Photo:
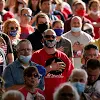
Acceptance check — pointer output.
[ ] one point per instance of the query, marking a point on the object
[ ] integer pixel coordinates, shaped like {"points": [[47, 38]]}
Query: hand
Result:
{"points": [[58, 65], [61, 48], [39, 96]]}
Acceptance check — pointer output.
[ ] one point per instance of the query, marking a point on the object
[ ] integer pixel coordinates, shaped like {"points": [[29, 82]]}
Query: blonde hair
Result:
{"points": [[6, 25]]}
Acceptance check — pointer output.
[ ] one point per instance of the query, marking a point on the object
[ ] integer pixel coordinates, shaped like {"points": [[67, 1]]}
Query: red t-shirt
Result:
{"points": [[28, 95], [25, 31], [52, 81], [96, 29]]}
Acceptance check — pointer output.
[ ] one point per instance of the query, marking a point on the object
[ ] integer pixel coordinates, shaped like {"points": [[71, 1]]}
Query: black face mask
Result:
{"points": [[42, 27]]}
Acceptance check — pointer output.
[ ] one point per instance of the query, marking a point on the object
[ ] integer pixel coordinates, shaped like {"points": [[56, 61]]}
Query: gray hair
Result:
{"points": [[79, 71], [20, 42], [61, 86], [13, 94]]}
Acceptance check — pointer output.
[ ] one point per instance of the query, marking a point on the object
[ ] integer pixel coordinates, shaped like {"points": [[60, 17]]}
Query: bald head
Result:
{"points": [[76, 21]]}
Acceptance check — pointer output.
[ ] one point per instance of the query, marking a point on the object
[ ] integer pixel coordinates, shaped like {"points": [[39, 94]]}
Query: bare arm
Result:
{"points": [[10, 58]]}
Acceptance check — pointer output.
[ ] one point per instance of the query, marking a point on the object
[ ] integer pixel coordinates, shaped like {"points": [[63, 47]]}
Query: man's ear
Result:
{"points": [[42, 40]]}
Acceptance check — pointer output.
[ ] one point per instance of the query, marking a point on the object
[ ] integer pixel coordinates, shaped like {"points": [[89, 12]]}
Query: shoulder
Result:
{"points": [[14, 64], [38, 51], [85, 34], [66, 40]]}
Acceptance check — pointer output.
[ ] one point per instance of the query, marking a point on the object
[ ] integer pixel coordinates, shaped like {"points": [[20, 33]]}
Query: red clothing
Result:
{"points": [[96, 29], [52, 81], [25, 31], [27, 94], [66, 12], [8, 15]]}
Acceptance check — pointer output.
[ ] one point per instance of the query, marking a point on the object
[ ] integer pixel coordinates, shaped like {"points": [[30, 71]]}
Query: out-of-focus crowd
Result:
{"points": [[49, 49]]}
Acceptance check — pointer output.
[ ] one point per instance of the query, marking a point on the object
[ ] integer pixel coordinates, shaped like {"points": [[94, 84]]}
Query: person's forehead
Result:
{"points": [[75, 19], [78, 6], [42, 19], [58, 24], [94, 3], [92, 50], [25, 11], [12, 24], [25, 45], [79, 75], [49, 33], [93, 71]]}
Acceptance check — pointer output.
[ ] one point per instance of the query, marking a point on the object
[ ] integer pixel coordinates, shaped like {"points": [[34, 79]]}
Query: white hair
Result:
{"points": [[79, 71], [13, 94], [61, 86]]}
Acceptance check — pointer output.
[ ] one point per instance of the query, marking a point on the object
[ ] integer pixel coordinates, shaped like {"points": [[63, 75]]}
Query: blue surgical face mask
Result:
{"points": [[79, 86], [25, 59], [76, 29], [13, 33], [59, 31]]}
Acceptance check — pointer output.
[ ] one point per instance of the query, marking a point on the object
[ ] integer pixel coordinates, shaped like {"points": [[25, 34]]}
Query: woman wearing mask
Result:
{"points": [[12, 28], [63, 44], [94, 16]]}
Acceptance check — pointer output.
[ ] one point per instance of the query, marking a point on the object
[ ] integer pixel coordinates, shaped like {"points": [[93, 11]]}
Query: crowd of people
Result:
{"points": [[49, 49]]}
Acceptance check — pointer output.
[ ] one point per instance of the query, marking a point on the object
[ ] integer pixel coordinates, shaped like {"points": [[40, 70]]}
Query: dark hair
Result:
{"points": [[93, 64], [28, 71], [91, 2], [41, 1], [90, 46]]}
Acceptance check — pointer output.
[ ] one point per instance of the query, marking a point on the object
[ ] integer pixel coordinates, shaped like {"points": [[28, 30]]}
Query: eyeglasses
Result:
{"points": [[35, 75], [49, 36], [27, 15], [13, 28]]}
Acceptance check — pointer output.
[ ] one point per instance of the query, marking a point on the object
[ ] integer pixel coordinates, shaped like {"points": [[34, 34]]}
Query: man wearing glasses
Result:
{"points": [[25, 18], [13, 73], [49, 51]]}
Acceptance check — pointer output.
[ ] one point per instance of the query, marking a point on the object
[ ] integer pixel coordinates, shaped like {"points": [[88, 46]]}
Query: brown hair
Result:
{"points": [[91, 2]]}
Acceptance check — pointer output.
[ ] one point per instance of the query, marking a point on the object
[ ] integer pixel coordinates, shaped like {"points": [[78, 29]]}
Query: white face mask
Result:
{"points": [[94, 12]]}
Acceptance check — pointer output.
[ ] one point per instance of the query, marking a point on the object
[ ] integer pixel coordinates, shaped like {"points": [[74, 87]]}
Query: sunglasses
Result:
{"points": [[27, 15], [49, 36], [13, 28], [35, 76]]}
